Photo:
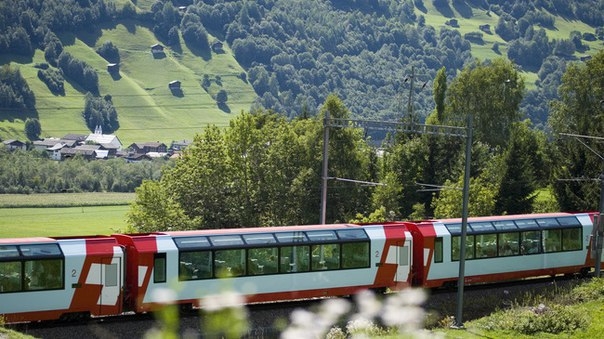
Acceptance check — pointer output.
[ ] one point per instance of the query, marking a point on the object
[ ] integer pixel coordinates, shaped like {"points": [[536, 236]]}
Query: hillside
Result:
{"points": [[289, 55]]}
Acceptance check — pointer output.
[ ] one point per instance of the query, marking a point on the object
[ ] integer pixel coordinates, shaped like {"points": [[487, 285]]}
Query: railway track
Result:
{"points": [[479, 301]]}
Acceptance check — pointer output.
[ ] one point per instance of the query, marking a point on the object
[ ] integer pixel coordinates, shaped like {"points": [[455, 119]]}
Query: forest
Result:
{"points": [[342, 60], [297, 52]]}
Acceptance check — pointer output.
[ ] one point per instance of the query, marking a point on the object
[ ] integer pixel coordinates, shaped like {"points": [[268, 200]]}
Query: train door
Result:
{"points": [[111, 281], [401, 255]]}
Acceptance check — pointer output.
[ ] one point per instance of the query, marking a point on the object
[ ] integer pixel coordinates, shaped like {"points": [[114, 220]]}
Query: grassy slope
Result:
{"points": [[147, 109], [562, 30]]}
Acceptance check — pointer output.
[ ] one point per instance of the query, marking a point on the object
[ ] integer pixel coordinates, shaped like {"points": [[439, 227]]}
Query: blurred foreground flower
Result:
{"points": [[225, 315]]}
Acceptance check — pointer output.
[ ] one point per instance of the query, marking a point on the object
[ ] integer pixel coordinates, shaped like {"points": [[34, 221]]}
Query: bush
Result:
{"points": [[554, 319]]}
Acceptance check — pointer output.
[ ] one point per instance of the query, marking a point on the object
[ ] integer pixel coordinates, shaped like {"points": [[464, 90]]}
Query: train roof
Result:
{"points": [[244, 230], [509, 223], [30, 240]]}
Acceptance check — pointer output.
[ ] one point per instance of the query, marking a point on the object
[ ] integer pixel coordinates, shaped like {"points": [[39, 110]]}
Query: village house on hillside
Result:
{"points": [[97, 146], [13, 144], [143, 148]]}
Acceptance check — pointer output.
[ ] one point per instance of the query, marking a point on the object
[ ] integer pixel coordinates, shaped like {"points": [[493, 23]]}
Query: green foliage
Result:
{"points": [[554, 319], [53, 79], [33, 172], [14, 91], [100, 112], [109, 51], [579, 112], [490, 93], [221, 97], [154, 210], [32, 129], [79, 71], [519, 180]]}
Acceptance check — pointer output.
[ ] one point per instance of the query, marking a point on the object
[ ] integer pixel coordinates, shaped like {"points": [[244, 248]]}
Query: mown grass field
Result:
{"points": [[63, 214]]}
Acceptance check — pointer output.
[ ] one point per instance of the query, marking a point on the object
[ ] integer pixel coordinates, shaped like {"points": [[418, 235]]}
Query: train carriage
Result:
{"points": [[267, 264], [503, 248], [53, 278]]}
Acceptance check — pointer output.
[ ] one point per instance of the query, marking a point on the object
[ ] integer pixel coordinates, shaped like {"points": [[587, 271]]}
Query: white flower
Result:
{"points": [[163, 296], [368, 304], [227, 299]]}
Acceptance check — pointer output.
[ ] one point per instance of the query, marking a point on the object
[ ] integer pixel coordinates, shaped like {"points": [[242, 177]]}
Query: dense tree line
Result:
{"points": [[34, 172], [265, 170], [297, 52], [100, 112], [79, 71], [15, 93], [53, 78]]}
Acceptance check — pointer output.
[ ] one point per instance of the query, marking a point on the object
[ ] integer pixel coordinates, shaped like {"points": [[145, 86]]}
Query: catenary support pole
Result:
{"points": [[464, 227]]}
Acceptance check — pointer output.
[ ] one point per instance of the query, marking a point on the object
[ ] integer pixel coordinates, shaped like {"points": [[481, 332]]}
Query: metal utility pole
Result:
{"points": [[420, 129], [325, 161], [464, 227]]}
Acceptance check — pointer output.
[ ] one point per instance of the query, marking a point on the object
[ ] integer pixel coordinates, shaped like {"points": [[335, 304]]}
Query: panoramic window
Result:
{"points": [[294, 259], [262, 260], [355, 255], [325, 257], [195, 265], [571, 239], [509, 244]]}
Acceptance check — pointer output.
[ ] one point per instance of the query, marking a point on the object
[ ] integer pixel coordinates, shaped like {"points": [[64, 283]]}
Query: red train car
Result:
{"points": [[502, 248], [266, 264], [53, 278]]}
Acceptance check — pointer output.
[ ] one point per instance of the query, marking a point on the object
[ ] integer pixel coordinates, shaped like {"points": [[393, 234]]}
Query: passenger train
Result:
{"points": [[71, 277]]}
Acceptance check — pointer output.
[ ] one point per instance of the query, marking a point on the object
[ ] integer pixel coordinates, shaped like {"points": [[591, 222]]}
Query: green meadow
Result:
{"points": [[69, 214], [147, 109]]}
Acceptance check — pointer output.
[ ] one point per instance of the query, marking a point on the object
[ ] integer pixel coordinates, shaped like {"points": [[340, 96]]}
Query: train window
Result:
{"points": [[571, 239], [10, 276], [291, 237], [294, 259], [40, 250], [548, 222], [569, 221], [111, 275], [527, 223], [438, 249], [8, 251], [262, 238], [262, 260], [530, 242], [192, 242], [46, 274], [508, 244], [321, 235], [325, 257], [230, 263], [226, 240], [356, 233], [355, 255], [195, 265], [505, 225], [486, 245], [159, 268], [552, 240], [456, 244], [454, 228], [482, 227]]}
